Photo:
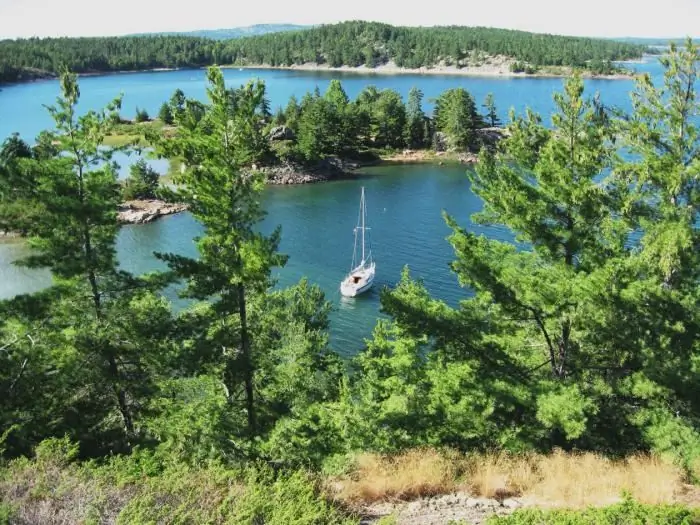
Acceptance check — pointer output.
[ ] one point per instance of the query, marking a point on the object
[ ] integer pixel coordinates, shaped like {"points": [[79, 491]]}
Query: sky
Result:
{"points": [[603, 18]]}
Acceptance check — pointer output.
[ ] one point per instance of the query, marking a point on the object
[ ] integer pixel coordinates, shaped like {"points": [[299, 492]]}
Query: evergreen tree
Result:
{"points": [[415, 120], [166, 114], [455, 115], [658, 185], [177, 104], [390, 114], [105, 322], [142, 182], [234, 258], [491, 116], [141, 115], [291, 114], [533, 321]]}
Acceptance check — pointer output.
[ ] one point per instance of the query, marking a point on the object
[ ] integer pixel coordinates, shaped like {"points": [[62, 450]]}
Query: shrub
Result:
{"points": [[141, 115], [627, 512], [6, 513]]}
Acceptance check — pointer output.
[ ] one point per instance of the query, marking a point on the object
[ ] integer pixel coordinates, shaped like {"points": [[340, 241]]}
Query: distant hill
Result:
{"points": [[653, 41], [235, 32]]}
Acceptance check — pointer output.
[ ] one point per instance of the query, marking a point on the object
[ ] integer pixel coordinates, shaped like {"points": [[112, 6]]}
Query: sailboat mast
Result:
{"points": [[362, 206]]}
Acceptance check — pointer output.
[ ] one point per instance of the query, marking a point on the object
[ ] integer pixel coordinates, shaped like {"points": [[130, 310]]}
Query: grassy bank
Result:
{"points": [[144, 488], [133, 133]]}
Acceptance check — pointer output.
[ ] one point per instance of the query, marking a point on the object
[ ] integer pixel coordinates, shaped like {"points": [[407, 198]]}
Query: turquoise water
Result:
{"points": [[404, 203]]}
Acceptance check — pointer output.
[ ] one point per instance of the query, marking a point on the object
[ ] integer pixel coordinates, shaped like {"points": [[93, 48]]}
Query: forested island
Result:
{"points": [[324, 136], [568, 375], [351, 44]]}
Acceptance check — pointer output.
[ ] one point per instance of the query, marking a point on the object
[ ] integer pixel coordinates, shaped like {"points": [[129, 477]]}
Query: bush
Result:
{"points": [[290, 498], [166, 114], [6, 513], [627, 512], [141, 115]]}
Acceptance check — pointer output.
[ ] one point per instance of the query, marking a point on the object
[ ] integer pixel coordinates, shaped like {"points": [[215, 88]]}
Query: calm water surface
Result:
{"points": [[404, 203]]}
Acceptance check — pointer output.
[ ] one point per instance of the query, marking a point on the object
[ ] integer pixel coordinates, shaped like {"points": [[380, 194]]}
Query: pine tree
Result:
{"points": [[415, 120], [390, 114], [491, 116], [99, 315], [223, 193], [534, 319], [456, 116], [142, 182], [658, 185], [166, 114]]}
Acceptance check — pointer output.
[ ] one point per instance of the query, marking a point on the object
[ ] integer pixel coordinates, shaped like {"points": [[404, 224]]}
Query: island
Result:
{"points": [[348, 46]]}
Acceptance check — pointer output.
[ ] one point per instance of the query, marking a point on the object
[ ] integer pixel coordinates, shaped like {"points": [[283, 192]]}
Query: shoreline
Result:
{"points": [[492, 70], [145, 211], [485, 71]]}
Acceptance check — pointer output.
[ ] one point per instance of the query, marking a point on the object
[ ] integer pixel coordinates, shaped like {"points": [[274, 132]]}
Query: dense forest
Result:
{"points": [[349, 43], [582, 338]]}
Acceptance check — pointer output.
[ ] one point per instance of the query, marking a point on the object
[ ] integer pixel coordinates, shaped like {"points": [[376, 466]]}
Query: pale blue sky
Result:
{"points": [[669, 18]]}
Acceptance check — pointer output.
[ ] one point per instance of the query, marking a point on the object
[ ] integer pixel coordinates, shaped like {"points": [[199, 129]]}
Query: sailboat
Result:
{"points": [[361, 275]]}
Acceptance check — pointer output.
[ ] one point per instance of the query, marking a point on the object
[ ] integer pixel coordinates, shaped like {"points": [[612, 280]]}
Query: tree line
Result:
{"points": [[348, 43], [583, 337]]}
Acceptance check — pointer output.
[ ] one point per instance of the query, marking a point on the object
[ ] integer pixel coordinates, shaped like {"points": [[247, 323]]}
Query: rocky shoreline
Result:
{"points": [[330, 168], [145, 211]]}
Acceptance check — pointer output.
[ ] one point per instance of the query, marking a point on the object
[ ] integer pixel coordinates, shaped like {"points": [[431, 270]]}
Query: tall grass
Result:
{"points": [[558, 479]]}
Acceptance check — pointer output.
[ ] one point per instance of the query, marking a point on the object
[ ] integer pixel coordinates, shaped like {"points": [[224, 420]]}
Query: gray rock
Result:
{"points": [[144, 211], [440, 141], [511, 503], [414, 506], [281, 133]]}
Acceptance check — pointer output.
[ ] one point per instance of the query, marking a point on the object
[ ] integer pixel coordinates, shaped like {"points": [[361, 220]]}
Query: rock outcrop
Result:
{"points": [[491, 136], [281, 133], [330, 168], [440, 141], [143, 211]]}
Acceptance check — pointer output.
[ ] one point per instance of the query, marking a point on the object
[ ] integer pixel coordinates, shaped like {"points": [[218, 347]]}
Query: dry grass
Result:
{"points": [[559, 479], [413, 474], [588, 479]]}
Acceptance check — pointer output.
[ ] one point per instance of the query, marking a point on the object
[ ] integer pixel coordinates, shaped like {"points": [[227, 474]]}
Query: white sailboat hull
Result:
{"points": [[358, 281]]}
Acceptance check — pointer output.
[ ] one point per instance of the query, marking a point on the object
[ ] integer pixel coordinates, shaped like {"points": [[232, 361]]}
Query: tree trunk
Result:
{"points": [[247, 361], [113, 367]]}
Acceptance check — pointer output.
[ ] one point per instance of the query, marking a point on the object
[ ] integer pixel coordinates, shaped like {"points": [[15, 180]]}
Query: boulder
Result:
{"points": [[281, 133]]}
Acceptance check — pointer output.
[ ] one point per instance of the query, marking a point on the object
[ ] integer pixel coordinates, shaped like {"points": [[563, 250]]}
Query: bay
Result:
{"points": [[404, 203]]}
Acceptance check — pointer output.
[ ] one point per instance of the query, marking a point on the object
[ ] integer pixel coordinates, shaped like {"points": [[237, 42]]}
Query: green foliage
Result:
{"points": [[235, 260], [325, 125], [418, 127], [626, 512], [455, 115], [491, 117], [522, 67], [165, 114], [141, 116], [18, 182], [389, 113], [54, 450], [84, 354], [7, 513], [288, 498], [142, 183]]}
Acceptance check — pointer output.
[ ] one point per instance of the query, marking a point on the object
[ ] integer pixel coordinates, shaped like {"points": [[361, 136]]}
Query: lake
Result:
{"points": [[404, 203]]}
